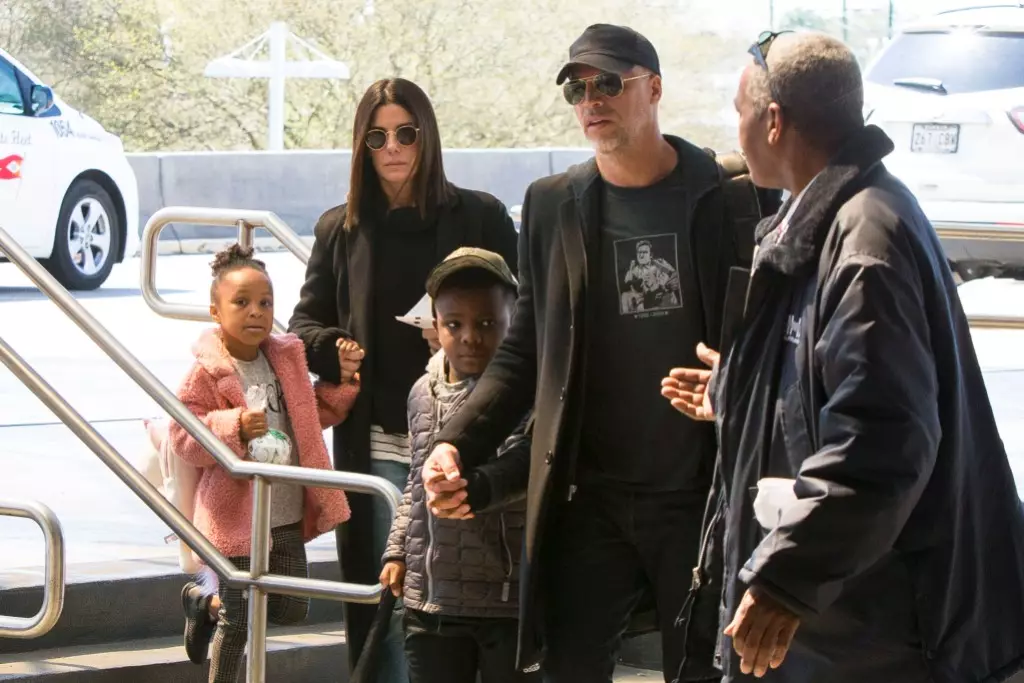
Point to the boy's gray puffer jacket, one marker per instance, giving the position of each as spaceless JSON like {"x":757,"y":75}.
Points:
{"x":467,"y":568}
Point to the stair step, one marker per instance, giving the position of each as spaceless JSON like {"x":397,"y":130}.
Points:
{"x":107,"y":602}
{"x":310,"y":654}
{"x":625,"y":674}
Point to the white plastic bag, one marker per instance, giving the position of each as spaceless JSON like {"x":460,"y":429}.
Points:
{"x":774,"y":497}
{"x":273,"y":447}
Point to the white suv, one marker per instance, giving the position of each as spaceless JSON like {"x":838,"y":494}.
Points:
{"x":949,"y":91}
{"x":67,"y":193}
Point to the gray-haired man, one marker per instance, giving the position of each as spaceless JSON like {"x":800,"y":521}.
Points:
{"x":899,"y":554}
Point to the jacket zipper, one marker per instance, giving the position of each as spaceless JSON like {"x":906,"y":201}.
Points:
{"x":427,"y":565}
{"x":506,"y":587}
{"x":683,"y":619}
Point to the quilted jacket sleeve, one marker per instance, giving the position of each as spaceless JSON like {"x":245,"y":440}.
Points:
{"x":394,"y":551}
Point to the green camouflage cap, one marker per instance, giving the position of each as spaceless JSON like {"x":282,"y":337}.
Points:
{"x":465,"y":258}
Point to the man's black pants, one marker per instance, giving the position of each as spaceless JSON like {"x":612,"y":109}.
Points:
{"x":608,"y":547}
{"x":443,"y":649}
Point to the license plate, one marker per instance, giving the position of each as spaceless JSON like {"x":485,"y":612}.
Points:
{"x":935,"y":138}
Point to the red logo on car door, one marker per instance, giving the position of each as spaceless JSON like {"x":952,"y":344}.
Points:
{"x":10,"y":167}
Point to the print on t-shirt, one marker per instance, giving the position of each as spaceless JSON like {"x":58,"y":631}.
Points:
{"x":647,"y":273}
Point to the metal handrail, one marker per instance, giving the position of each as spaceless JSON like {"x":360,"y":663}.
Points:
{"x":258,"y":582}
{"x":246,"y":220}
{"x":54,"y":577}
{"x":992,"y":232}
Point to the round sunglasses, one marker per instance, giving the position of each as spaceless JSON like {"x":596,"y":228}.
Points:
{"x":607,"y":83}
{"x":377,"y":138}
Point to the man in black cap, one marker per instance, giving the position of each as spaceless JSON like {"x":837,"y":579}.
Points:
{"x":618,"y":480}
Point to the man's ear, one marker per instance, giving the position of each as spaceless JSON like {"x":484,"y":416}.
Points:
{"x":656,"y":89}
{"x":776,"y":123}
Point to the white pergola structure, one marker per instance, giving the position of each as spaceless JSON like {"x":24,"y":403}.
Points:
{"x":248,"y":62}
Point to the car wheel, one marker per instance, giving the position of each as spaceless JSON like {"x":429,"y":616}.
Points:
{"x":88,"y":237}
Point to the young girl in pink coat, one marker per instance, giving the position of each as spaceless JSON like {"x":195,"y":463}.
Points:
{"x":253,"y":390}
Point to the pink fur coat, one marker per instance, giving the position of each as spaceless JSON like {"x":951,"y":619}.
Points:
{"x":213,"y":392}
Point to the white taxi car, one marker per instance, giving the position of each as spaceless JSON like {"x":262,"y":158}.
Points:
{"x":67,"y":193}
{"x":949,"y":91}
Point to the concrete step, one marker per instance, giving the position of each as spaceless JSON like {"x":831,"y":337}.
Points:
{"x":624,"y":674}
{"x":139,"y":600}
{"x":130,"y":600}
{"x":310,"y":654}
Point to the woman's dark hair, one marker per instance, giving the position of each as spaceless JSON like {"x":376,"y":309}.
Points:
{"x":231,"y":259}
{"x":430,"y":187}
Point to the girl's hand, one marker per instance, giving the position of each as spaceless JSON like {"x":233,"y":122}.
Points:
{"x":393,"y":577}
{"x":253,"y":424}
{"x":350,"y":358}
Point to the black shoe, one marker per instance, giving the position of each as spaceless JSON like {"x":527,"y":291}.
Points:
{"x":199,"y":626}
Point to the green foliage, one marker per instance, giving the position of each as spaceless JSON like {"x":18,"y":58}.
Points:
{"x":488,"y":65}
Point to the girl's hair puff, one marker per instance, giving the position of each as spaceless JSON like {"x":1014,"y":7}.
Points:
{"x":231,"y":259}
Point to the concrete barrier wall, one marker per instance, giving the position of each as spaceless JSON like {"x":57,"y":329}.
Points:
{"x":299,"y":186}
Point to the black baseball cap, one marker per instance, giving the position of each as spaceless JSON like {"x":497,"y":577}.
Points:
{"x":465,"y":258}
{"x":610,"y":48}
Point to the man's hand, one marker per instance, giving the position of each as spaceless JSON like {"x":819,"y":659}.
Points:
{"x":350,"y":358}
{"x":761,"y":632}
{"x":443,"y":482}
{"x":393,"y":577}
{"x":430,"y":334}
{"x":687,"y":388}
{"x":252,"y":424}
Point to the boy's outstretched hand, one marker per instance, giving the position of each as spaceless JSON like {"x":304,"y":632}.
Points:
{"x":687,"y":388}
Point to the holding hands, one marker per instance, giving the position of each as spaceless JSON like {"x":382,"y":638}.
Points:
{"x":444,"y":485}
{"x":350,"y":358}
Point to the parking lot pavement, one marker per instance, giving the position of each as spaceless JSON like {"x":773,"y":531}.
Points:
{"x":102,"y":519}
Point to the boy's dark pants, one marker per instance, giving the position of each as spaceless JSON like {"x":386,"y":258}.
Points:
{"x":452,"y":649}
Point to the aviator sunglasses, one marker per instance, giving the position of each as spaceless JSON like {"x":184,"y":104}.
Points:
{"x":760,"y":52}
{"x":607,"y":83}
{"x":406,"y":135}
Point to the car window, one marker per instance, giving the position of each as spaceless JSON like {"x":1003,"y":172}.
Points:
{"x":10,"y":93}
{"x":964,"y":61}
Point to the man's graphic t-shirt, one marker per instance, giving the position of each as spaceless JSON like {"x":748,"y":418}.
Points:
{"x":648,"y":319}
{"x":648,"y":273}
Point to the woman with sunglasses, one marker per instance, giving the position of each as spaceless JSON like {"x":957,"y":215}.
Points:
{"x":369,"y":264}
